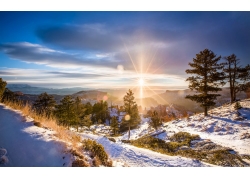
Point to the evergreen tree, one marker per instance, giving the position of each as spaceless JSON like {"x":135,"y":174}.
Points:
{"x":132,"y":119}
{"x":86,"y":121}
{"x":45,"y":104}
{"x":100,"y":112}
{"x":155,"y":120}
{"x":114,"y":125}
{"x":65,"y":112}
{"x":207,"y":79}
{"x":88,"y":108}
{"x":79,"y":109}
{"x":2,"y":88}
{"x":8,"y":95}
{"x":235,"y":75}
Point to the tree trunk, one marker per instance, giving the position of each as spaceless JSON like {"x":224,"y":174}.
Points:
{"x":128,"y":132}
{"x":205,"y":111}
{"x":231,"y":93}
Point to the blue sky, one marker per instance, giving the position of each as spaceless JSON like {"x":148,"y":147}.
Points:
{"x":114,"y":49}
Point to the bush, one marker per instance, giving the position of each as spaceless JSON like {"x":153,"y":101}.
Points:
{"x":221,"y":157}
{"x":184,"y":137}
{"x":97,"y":151}
{"x":225,"y":158}
{"x":96,"y":161}
{"x":155,"y":144}
{"x":38,"y":124}
{"x":237,"y":106}
{"x":79,"y":163}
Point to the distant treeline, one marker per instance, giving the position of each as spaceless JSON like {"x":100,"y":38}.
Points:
{"x":71,"y":112}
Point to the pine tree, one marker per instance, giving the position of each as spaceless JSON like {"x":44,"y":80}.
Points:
{"x":100,"y":112}
{"x":65,"y":112}
{"x":114,"y":125}
{"x":132,"y":119}
{"x":208,"y":79}
{"x":155,"y":120}
{"x":45,"y":104}
{"x":235,"y":75}
{"x":79,"y":109}
{"x":8,"y":95}
{"x":2,"y":88}
{"x":88,"y":108}
{"x":86,"y":121}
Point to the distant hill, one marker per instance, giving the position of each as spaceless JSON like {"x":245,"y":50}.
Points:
{"x":32,"y":97}
{"x":91,"y":94}
{"x":27,"y":89}
{"x":177,"y":97}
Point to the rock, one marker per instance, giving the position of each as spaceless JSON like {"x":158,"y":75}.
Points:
{"x":245,"y":136}
{"x":184,"y":148}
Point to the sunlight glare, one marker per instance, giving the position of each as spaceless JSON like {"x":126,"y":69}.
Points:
{"x":141,"y":82}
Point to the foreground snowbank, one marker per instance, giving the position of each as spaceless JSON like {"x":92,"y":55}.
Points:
{"x":24,"y":145}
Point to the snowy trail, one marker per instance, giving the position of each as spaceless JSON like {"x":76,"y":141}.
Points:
{"x":27,"y":145}
{"x":139,"y":157}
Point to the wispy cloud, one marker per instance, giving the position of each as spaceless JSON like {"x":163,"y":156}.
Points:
{"x":35,"y":53}
{"x":99,"y":79}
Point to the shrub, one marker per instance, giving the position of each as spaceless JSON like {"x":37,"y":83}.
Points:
{"x":184,"y":137}
{"x":79,"y":163}
{"x":173,"y":146}
{"x":38,"y":124}
{"x":190,"y":153}
{"x":155,"y":144}
{"x":237,"y":106}
{"x":96,"y":161}
{"x":225,"y":158}
{"x":97,"y":150}
{"x":221,"y":157}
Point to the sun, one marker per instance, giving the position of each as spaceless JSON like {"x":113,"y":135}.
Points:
{"x":141,"y":82}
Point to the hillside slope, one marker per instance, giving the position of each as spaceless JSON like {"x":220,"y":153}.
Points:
{"x":224,"y":125}
{"x":24,"y":145}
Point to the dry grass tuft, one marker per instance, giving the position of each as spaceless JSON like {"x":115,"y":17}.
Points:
{"x":80,"y":163}
{"x":96,"y":161}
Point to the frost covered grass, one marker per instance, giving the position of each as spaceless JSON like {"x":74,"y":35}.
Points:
{"x":191,"y":146}
{"x":177,"y":140}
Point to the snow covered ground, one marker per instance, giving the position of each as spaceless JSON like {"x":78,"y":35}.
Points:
{"x":24,"y":145}
{"x":139,"y":157}
{"x":223,"y":126}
